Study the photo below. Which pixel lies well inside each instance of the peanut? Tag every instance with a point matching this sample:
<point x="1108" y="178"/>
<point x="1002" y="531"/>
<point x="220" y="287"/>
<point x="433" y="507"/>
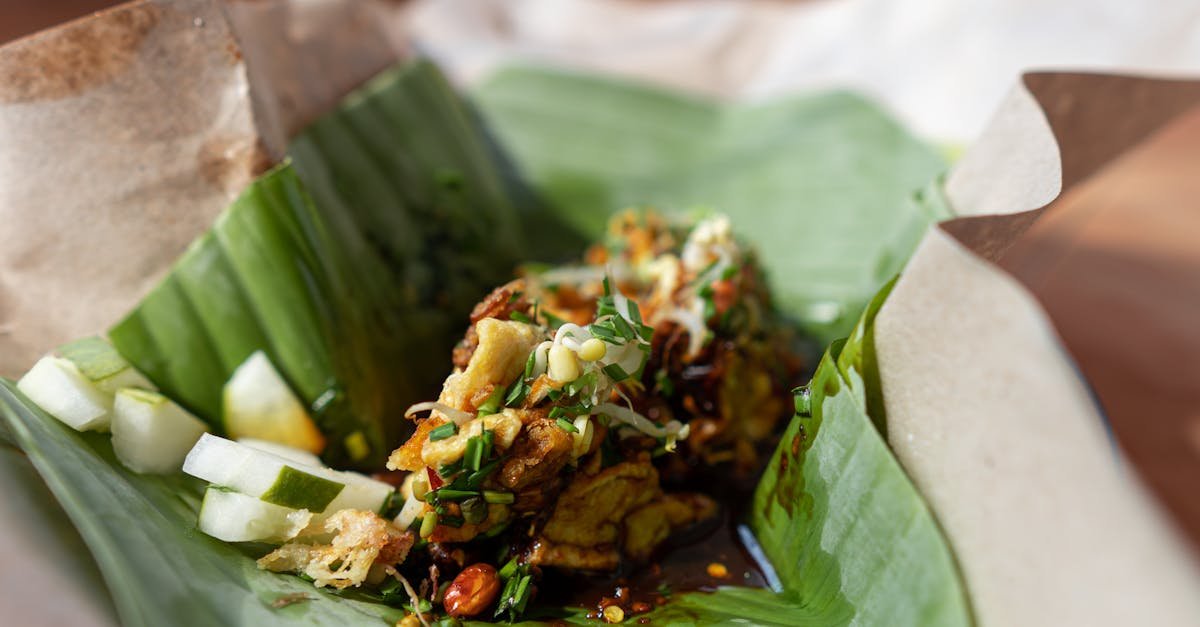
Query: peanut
<point x="473" y="590"/>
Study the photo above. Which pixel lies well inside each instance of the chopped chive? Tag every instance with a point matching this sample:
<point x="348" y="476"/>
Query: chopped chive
<point x="475" y="479"/>
<point x="529" y="362"/>
<point x="492" y="404"/>
<point x="521" y="595"/>
<point x="442" y="432"/>
<point x="516" y="393"/>
<point x="474" y="454"/>
<point x="447" y="494"/>
<point x="428" y="524"/>
<point x="502" y="498"/>
<point x="566" y="425"/>
<point x="616" y="372"/>
<point x="489" y="440"/>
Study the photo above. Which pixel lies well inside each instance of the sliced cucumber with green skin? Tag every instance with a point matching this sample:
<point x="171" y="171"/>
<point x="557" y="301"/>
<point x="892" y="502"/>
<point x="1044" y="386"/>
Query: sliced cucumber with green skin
<point x="233" y="517"/>
<point x="361" y="492"/>
<point x="261" y="474"/>
<point x="259" y="404"/>
<point x="151" y="434"/>
<point x="59" y="388"/>
<point x="289" y="453"/>
<point x="264" y="475"/>
<point x="103" y="365"/>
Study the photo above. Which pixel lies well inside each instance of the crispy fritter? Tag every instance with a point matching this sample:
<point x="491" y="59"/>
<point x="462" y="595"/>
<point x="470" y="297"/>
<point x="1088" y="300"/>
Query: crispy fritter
<point x="363" y="540"/>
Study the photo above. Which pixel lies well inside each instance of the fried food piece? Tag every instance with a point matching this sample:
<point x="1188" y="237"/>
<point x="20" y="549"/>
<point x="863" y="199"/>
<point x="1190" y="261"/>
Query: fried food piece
<point x="500" y="357"/>
<point x="363" y="540"/>
<point x="537" y="455"/>
<point x="649" y="525"/>
<point x="620" y="511"/>
<point x="500" y="304"/>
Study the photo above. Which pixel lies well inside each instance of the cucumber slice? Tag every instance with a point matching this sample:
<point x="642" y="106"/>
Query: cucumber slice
<point x="262" y="475"/>
<point x="259" y="404"/>
<point x="234" y="517"/>
<point x="362" y="492"/>
<point x="289" y="453"/>
<point x="151" y="434"/>
<point x="58" y="387"/>
<point x="103" y="365"/>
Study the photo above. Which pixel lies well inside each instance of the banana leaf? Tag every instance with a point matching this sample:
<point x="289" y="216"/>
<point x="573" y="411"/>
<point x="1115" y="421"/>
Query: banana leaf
<point x="822" y="185"/>
<point x="313" y="264"/>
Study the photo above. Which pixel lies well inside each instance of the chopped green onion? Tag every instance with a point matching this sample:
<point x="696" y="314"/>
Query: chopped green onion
<point x="803" y="401"/>
<point x="474" y="454"/>
<point x="508" y="569"/>
<point x="529" y="363"/>
<point x="492" y="404"/>
<point x="566" y="425"/>
<point x="519" y="317"/>
<point x="616" y="372"/>
<point x="442" y="432"/>
<point x="448" y="494"/>
<point x="451" y="521"/>
<point x="516" y="393"/>
<point x="475" y="479"/>
<point x="474" y="510"/>
<point x="428" y="524"/>
<point x="603" y="333"/>
<point x="489" y="440"/>
<point x="512" y="298"/>
<point x="521" y="596"/>
<point x="502" y="498"/>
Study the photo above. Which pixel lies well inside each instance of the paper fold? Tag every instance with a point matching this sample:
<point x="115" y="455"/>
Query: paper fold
<point x="987" y="412"/>
<point x="123" y="135"/>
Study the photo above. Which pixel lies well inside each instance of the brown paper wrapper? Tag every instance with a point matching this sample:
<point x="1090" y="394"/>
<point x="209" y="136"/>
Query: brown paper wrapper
<point x="123" y="135"/>
<point x="987" y="412"/>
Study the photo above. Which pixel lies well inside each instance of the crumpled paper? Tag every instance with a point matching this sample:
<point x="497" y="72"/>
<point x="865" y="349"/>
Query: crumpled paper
<point x="987" y="412"/>
<point x="122" y="136"/>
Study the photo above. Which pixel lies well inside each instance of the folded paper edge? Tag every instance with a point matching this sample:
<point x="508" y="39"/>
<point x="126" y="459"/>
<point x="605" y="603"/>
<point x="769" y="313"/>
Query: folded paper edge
<point x="987" y="412"/>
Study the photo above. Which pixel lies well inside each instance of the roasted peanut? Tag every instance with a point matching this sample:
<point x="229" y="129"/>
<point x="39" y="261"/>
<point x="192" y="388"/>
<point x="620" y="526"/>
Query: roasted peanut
<point x="473" y="590"/>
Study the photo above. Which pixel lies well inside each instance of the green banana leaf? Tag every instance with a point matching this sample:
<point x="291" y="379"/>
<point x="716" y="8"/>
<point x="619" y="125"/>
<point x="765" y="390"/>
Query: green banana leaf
<point x="822" y="185"/>
<point x="313" y="264"/>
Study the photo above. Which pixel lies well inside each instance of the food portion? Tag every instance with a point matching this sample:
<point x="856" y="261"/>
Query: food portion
<point x="580" y="396"/>
<point x="584" y="402"/>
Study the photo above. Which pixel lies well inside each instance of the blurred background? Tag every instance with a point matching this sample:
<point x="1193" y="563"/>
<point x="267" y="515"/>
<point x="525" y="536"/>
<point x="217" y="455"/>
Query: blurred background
<point x="940" y="65"/>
